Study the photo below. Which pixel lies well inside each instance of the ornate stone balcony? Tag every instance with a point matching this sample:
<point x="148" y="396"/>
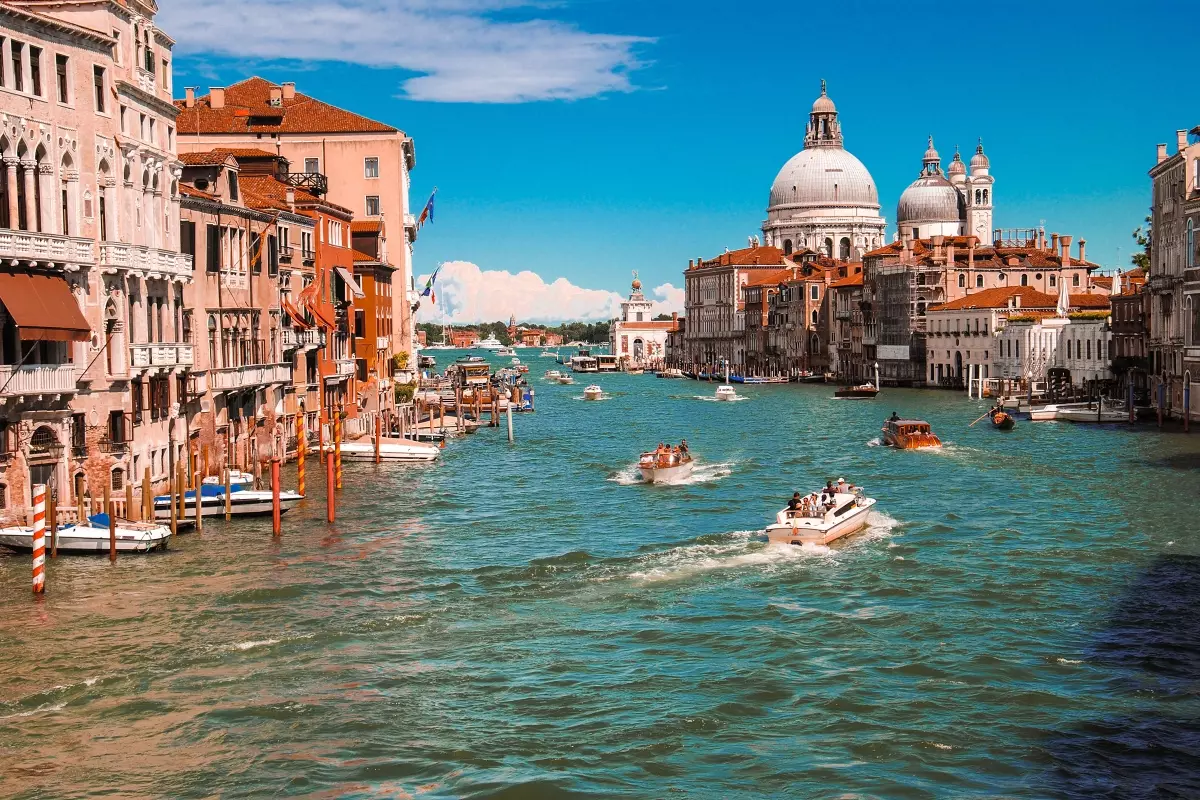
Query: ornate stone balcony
<point x="147" y="262"/>
<point x="342" y="369"/>
<point x="68" y="252"/>
<point x="383" y="342"/>
<point x="249" y="377"/>
<point x="310" y="339"/>
<point x="37" y="380"/>
<point x="161" y="356"/>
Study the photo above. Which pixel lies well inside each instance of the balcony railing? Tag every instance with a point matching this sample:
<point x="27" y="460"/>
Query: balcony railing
<point x="342" y="368"/>
<point x="252" y="376"/>
<point x="169" y="356"/>
<point x="311" y="182"/>
<point x="46" y="247"/>
<point x="149" y="261"/>
<point x="306" y="339"/>
<point x="38" y="379"/>
<point x="286" y="253"/>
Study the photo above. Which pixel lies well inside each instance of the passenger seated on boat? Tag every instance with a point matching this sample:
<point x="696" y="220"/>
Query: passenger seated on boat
<point x="794" y="503"/>
<point x="683" y="448"/>
<point x="841" y="485"/>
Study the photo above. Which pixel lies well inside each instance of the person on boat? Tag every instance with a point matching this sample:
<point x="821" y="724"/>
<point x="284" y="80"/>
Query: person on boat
<point x="841" y="486"/>
<point x="683" y="448"/>
<point x="894" y="417"/>
<point x="794" y="503"/>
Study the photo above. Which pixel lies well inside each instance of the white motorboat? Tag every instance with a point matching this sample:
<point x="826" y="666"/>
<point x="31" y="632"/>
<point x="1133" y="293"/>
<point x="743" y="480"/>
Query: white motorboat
<point x="671" y="372"/>
<point x="565" y="379"/>
<point x="548" y="354"/>
<point x="593" y="392"/>
<point x="490" y="343"/>
<point x="552" y="375"/>
<point x="726" y="392"/>
<point x="389" y="450"/>
<point x="236" y="478"/>
<point x="1089" y="412"/>
<point x="504" y="352"/>
<point x="516" y="361"/>
<point x="1046" y="413"/>
<point x="659" y="467"/>
<point x="92" y="537"/>
<point x="817" y="523"/>
<point x="242" y="502"/>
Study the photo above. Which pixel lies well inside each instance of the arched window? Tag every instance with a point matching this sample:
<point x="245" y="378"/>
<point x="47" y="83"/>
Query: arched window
<point x="829" y="247"/>
<point x="844" y="252"/>
<point x="978" y="196"/>
<point x="962" y="281"/>
<point x="212" y="341"/>
<point x="1024" y="279"/>
<point x="985" y="196"/>
<point x="787" y="247"/>
<point x="978" y="281"/>
<point x="118" y="480"/>
<point x="814" y="316"/>
<point x="1189" y="256"/>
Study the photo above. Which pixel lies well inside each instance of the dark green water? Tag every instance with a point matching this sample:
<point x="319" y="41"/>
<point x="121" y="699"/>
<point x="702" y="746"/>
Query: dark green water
<point x="1020" y="620"/>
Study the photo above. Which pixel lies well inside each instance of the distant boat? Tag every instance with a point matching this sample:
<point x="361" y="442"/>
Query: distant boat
<point x="504" y="351"/>
<point x="864" y="391"/>
<point x="593" y="392"/>
<point x="490" y="343"/>
<point x="726" y="392"/>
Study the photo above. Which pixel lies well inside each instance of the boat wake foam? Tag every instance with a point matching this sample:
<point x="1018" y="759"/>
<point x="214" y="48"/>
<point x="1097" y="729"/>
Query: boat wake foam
<point x="876" y="442"/>
<point x="739" y="549"/>
<point x="701" y="473"/>
<point x="710" y="398"/>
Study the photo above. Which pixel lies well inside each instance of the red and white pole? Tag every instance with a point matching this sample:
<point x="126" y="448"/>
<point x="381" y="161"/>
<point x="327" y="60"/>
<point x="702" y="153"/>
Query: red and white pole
<point x="329" y="501"/>
<point x="276" y="525"/>
<point x="39" y="538"/>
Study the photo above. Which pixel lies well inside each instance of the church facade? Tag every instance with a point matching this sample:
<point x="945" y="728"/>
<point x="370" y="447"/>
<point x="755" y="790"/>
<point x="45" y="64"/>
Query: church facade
<point x="635" y="337"/>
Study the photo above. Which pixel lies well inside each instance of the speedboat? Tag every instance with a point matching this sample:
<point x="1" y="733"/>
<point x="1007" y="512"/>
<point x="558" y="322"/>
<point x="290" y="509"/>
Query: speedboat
<point x="909" y="434"/>
<point x="92" y="537"/>
<point x="1092" y="412"/>
<point x="548" y="354"/>
<point x="242" y="501"/>
<point x="593" y="392"/>
<point x="236" y="478"/>
<point x="815" y="522"/>
<point x="389" y="450"/>
<point x="552" y="375"/>
<point x="726" y="392"/>
<point x="659" y="467"/>
<point x="506" y="351"/>
<point x="516" y="361"/>
<point x="864" y="391"/>
<point x="1046" y="413"/>
<point x="565" y="379"/>
<point x="490" y="343"/>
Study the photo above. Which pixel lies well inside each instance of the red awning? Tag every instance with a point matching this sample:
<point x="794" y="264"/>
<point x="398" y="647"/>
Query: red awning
<point x="43" y="307"/>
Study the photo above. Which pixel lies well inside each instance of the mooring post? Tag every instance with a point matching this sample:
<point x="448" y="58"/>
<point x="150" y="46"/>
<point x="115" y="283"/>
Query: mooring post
<point x="329" y="501"/>
<point x="52" y="510"/>
<point x="301" y="451"/>
<point x="228" y="493"/>
<point x="508" y="408"/>
<point x="39" y="538"/>
<point x="112" y="523"/>
<point x="276" y="524"/>
<point x="378" y="435"/>
<point x="337" y="446"/>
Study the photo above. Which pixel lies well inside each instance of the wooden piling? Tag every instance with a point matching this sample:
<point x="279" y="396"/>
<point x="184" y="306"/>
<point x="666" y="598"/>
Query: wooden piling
<point x="112" y="523"/>
<point x="174" y="508"/>
<point x="276" y="525"/>
<point x="39" y="538"/>
<point x="204" y="463"/>
<point x="329" y="501"/>
<point x="301" y="451"/>
<point x="337" y="447"/>
<point x="147" y="496"/>
<point x="52" y="501"/>
<point x="129" y="507"/>
<point x="228" y="495"/>
<point x="378" y="435"/>
<point x="79" y="509"/>
<point x="508" y="409"/>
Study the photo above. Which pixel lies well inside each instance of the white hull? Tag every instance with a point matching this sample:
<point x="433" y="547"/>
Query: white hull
<point x="1044" y="414"/>
<point x="243" y="503"/>
<point x="726" y="393"/>
<point x="89" y="540"/>
<point x="673" y="474"/>
<point x="593" y="394"/>
<point x="1090" y="415"/>
<point x="389" y="451"/>
<point x="824" y="529"/>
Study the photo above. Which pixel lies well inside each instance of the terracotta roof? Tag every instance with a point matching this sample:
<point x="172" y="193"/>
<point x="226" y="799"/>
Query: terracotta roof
<point x="772" y="278"/>
<point x="998" y="297"/>
<point x="191" y="191"/>
<point x="248" y="110"/>
<point x="986" y="256"/>
<point x="1089" y="301"/>
<point x="263" y="191"/>
<point x="764" y="256"/>
<point x="366" y="226"/>
<point x="851" y="280"/>
<point x="212" y="158"/>
<point x="360" y="257"/>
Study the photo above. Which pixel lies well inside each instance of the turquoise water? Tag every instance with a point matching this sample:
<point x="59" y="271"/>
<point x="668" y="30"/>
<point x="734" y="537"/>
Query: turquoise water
<point x="528" y="621"/>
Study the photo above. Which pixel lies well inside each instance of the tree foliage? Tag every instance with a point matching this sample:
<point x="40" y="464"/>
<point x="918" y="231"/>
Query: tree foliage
<point x="1141" y="235"/>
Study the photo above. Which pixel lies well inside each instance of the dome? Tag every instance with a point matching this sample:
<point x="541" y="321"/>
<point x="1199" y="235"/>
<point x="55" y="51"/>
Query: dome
<point x="930" y="198"/>
<point x="979" y="160"/>
<point x="931" y="153"/>
<point x="957" y="167"/>
<point x="824" y="177"/>
<point x="823" y="105"/>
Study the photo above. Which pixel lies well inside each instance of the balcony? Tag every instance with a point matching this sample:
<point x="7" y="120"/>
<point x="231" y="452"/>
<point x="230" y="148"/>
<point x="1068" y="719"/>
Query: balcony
<point x="383" y="342"/>
<point x="286" y="253"/>
<point x="37" y="380"/>
<point x="162" y="356"/>
<point x="71" y="252"/>
<point x="147" y="262"/>
<point x="308" y="257"/>
<point x="310" y="339"/>
<point x="311" y="182"/>
<point x="342" y="368"/>
<point x="249" y="377"/>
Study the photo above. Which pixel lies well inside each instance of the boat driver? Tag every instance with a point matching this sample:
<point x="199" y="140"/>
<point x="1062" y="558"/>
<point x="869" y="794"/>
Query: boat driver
<point x="794" y="503"/>
<point x="894" y="417"/>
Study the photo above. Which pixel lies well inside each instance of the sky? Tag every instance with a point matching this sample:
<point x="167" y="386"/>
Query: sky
<point x="580" y="140"/>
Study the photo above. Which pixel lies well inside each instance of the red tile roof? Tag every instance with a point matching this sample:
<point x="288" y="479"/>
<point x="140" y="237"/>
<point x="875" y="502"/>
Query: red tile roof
<point x="360" y="257"/>
<point x="262" y="191"/>
<point x="998" y="297"/>
<point x="366" y="226"/>
<point x="986" y="256"/>
<point x="771" y="278"/>
<point x="1089" y="301"/>
<point x="191" y="191"/>
<point x="212" y="158"/>
<point x="851" y="280"/>
<point x="248" y="110"/>
<point x="764" y="256"/>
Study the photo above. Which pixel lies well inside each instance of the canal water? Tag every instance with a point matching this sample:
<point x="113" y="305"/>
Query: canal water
<point x="1019" y="620"/>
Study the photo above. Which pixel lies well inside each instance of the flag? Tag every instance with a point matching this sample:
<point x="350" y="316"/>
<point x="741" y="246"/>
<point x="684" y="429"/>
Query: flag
<point x="433" y="298"/>
<point x="429" y="283"/>
<point x="427" y="212"/>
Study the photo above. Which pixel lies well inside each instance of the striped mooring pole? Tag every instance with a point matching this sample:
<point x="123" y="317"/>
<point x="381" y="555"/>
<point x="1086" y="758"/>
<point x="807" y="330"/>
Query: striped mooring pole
<point x="301" y="449"/>
<point x="337" y="443"/>
<point x="39" y="538"/>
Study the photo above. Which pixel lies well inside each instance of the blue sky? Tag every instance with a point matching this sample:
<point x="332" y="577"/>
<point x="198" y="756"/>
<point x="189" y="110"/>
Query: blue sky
<point x="584" y="139"/>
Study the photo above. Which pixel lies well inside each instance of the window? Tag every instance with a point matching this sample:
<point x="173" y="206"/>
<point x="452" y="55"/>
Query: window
<point x="138" y="400"/>
<point x="371" y="167"/>
<point x="233" y="185"/>
<point x="312" y="165"/>
<point x="187" y="238"/>
<point x="372" y="206"/>
<point x="1189" y="254"/>
<point x="35" y="69"/>
<point x="1" y="63"/>
<point x="64" y="84"/>
<point x="166" y="75"/>
<point x="214" y="248"/>
<point x="1053" y="281"/>
<point x="272" y="256"/>
<point x="1075" y="279"/>
<point x="255" y="252"/>
<point x="149" y="52"/>
<point x="814" y="293"/>
<point x="116" y="48"/>
<point x="116" y="426"/>
<point x="98" y="83"/>
<point x="1024" y="279"/>
<point x="962" y="281"/>
<point x="18" y="65"/>
<point x="978" y="281"/>
<point x="360" y="323"/>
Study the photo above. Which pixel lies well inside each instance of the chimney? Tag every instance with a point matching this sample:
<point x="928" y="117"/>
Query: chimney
<point x="1066" y="251"/>
<point x="289" y="90"/>
<point x="1054" y="243"/>
<point x="690" y="263"/>
<point x="276" y="96"/>
<point x="1180" y="141"/>
<point x="1017" y="300"/>
<point x="216" y="97"/>
<point x="189" y="97"/>
<point x="950" y="253"/>
<point x="1083" y="251"/>
<point x="675" y="317"/>
<point x="971" y="252"/>
<point x="1162" y="154"/>
<point x="291" y="197"/>
<point x="938" y="247"/>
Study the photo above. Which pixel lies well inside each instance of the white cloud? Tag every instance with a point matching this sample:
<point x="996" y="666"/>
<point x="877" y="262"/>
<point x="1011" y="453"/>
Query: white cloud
<point x="460" y="50"/>
<point x="468" y="294"/>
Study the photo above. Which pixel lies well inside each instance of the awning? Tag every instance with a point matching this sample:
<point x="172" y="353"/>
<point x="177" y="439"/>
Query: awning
<point x="43" y="307"/>
<point x="355" y="289"/>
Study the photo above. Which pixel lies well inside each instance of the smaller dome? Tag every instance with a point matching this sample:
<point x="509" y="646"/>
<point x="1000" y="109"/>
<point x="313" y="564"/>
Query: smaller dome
<point x="637" y="285"/>
<point x="931" y="153"/>
<point x="957" y="167"/>
<point x="979" y="160"/>
<point x="930" y="198"/>
<point x="823" y="105"/>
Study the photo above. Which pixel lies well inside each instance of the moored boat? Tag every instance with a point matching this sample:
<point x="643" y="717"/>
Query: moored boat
<point x="817" y="522"/>
<point x="242" y="501"/>
<point x="672" y="372"/>
<point x="661" y="466"/>
<point x="909" y="434"/>
<point x="389" y="450"/>
<point x="863" y="391"/>
<point x="565" y="379"/>
<point x="92" y="537"/>
<point x="1092" y="412"/>
<point x="726" y="392"/>
<point x="593" y="392"/>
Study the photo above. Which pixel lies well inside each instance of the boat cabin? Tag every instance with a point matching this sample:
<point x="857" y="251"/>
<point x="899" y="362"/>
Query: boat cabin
<point x="473" y="374"/>
<point x="606" y="363"/>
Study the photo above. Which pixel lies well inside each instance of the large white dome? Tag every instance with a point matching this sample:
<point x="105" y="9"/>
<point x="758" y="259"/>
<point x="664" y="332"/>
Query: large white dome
<point x="930" y="198"/>
<point x="823" y="177"/>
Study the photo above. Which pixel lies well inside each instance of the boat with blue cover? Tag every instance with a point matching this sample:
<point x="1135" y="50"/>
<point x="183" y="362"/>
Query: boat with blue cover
<point x="243" y="501"/>
<point x="92" y="537"/>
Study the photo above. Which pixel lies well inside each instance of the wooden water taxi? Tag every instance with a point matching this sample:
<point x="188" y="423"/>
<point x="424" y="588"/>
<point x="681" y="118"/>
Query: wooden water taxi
<point x="665" y="466"/>
<point x="909" y="434"/>
<point x="864" y="391"/>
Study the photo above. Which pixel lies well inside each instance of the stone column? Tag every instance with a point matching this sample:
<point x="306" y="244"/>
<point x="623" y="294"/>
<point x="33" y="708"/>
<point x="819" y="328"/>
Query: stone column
<point x="11" y="165"/>
<point x="30" y="176"/>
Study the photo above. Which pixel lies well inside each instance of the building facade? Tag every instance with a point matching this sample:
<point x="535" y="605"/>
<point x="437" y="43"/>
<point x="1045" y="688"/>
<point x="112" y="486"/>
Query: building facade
<point x="634" y="337"/>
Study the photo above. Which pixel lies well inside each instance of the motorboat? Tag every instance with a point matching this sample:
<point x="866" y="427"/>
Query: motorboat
<point x="504" y="352"/>
<point x="1001" y="419"/>
<point x="516" y="361"/>
<point x="426" y="362"/>
<point x="92" y="537"/>
<point x="668" y="467"/>
<point x="819" y="523"/>
<point x="1092" y="412"/>
<point x="863" y="391"/>
<point x="593" y="392"/>
<point x="389" y="450"/>
<point x="909" y="434"/>
<point x="548" y="354"/>
<point x="671" y="372"/>
<point x="565" y="379"/>
<point x="236" y="478"/>
<point x="1044" y="413"/>
<point x="552" y="375"/>
<point x="242" y="501"/>
<point x="636" y="371"/>
<point x="490" y="343"/>
<point x="726" y="392"/>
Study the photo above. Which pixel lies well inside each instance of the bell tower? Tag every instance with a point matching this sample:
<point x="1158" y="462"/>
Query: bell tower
<point x="979" y="197"/>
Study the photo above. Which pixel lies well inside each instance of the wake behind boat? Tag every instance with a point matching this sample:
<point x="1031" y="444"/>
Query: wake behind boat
<point x="91" y="537"/>
<point x="821" y="518"/>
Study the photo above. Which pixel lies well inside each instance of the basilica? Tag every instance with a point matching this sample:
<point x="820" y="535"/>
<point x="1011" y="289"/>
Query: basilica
<point x="960" y="205"/>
